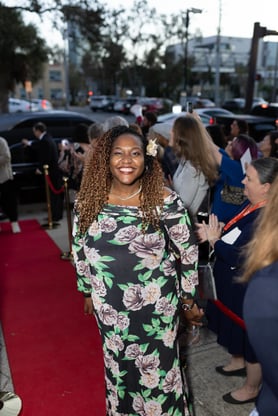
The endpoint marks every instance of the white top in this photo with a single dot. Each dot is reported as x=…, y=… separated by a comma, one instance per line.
x=6, y=172
x=191, y=185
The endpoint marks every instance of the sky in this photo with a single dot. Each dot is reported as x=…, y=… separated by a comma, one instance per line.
x=237, y=17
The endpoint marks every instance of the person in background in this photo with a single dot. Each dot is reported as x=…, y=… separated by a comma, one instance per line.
x=260, y=311
x=269, y=145
x=161, y=132
x=95, y=131
x=136, y=127
x=8, y=197
x=114, y=121
x=228, y=244
x=231, y=173
x=125, y=223
x=238, y=127
x=149, y=119
x=47, y=154
x=197, y=169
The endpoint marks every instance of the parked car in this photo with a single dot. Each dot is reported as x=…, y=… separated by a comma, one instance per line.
x=42, y=104
x=237, y=105
x=153, y=104
x=197, y=102
x=15, y=127
x=20, y=106
x=123, y=105
x=102, y=102
x=257, y=126
x=267, y=110
x=207, y=115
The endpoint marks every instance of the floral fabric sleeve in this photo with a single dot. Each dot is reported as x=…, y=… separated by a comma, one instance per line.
x=80, y=261
x=182, y=244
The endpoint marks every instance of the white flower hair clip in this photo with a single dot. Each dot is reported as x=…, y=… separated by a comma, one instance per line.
x=152, y=148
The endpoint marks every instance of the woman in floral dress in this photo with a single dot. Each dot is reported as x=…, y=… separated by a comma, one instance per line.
x=128, y=231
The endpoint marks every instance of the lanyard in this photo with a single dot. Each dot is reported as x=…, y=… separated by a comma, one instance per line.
x=247, y=210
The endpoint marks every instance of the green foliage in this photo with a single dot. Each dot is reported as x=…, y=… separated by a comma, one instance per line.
x=22, y=52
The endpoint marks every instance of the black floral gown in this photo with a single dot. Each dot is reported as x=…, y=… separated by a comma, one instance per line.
x=136, y=295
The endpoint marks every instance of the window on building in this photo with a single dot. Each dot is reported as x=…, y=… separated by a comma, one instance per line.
x=56, y=94
x=55, y=75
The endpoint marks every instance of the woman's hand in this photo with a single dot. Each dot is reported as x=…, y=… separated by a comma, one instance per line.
x=209, y=232
x=88, y=306
x=194, y=315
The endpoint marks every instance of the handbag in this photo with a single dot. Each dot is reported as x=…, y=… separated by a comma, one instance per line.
x=206, y=289
x=233, y=195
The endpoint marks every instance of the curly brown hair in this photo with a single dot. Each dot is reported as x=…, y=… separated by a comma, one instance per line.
x=97, y=179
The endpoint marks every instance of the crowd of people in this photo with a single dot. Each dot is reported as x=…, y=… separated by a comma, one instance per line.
x=129, y=204
x=139, y=192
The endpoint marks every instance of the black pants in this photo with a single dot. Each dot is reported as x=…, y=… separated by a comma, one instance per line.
x=8, y=199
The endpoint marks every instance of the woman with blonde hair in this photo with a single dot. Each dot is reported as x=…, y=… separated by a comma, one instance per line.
x=260, y=308
x=197, y=169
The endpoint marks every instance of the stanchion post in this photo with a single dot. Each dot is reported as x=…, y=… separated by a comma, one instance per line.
x=50, y=224
x=68, y=255
x=47, y=191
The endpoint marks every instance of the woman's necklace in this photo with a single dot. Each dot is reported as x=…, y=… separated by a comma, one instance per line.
x=128, y=197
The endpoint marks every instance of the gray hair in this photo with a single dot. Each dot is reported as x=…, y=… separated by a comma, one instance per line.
x=267, y=169
x=114, y=121
x=95, y=130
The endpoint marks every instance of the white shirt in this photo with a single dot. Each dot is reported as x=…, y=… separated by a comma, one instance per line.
x=191, y=185
x=6, y=172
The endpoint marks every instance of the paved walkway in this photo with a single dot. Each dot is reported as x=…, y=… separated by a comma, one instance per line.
x=207, y=386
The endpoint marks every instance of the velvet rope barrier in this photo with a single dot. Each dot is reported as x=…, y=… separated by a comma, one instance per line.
x=223, y=308
x=50, y=184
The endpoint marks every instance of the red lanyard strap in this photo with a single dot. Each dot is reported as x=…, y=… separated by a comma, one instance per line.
x=247, y=210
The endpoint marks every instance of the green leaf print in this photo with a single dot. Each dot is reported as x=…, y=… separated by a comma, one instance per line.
x=123, y=287
x=166, y=319
x=116, y=242
x=144, y=277
x=146, y=393
x=108, y=281
x=149, y=329
x=132, y=338
x=139, y=266
x=126, y=219
x=144, y=347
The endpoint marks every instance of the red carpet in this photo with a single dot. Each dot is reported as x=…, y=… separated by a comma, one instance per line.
x=54, y=351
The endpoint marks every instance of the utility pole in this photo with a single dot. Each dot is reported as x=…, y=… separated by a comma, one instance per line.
x=217, y=59
x=187, y=18
x=258, y=33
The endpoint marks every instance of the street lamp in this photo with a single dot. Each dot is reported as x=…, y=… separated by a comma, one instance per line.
x=188, y=11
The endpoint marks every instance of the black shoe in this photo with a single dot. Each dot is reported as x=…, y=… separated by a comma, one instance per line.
x=241, y=372
x=228, y=398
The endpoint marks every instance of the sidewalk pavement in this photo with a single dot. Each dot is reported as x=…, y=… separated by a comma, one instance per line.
x=206, y=385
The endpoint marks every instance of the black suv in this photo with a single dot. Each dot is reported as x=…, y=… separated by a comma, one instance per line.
x=267, y=110
x=15, y=127
x=258, y=126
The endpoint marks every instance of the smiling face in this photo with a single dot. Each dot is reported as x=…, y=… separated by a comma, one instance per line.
x=127, y=162
x=253, y=188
